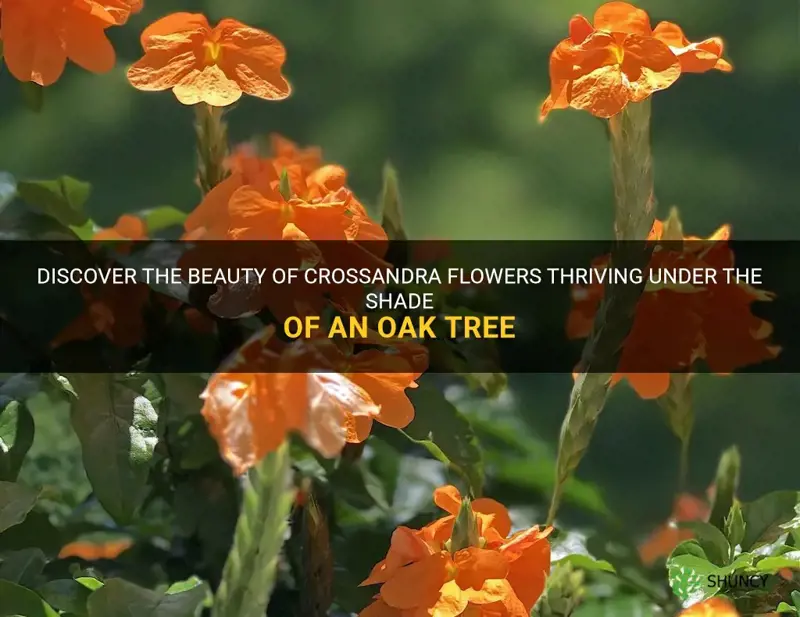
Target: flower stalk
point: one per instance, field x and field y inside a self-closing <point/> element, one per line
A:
<point x="249" y="573"/>
<point x="212" y="146"/>
<point x="634" y="215"/>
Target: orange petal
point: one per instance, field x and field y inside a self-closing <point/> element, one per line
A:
<point x="86" y="43"/>
<point x="714" y="607"/>
<point x="357" y="428"/>
<point x="173" y="30"/>
<point x="163" y="68"/>
<point x="649" y="385"/>
<point x="602" y="92"/>
<point x="476" y="565"/>
<point x="649" y="65"/>
<point x="622" y="17"/>
<point x="491" y="591"/>
<point x="501" y="521"/>
<point x="253" y="58"/>
<point x="451" y="603"/>
<point x="379" y="608"/>
<point x="388" y="392"/>
<point x="32" y="47"/>
<point x="417" y="584"/>
<point x="528" y="571"/>
<point x="448" y="498"/>
<point x="579" y="29"/>
<point x="208" y="85"/>
<point x="671" y="34"/>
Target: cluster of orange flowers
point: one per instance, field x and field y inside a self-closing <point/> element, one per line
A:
<point x="466" y="563"/>
<point x="619" y="59"/>
<point x="673" y="326"/>
<point x="39" y="36"/>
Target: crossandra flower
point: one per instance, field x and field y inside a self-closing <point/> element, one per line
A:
<point x="713" y="607"/>
<point x="619" y="59"/>
<point x="269" y="389"/>
<point x="93" y="551"/>
<point x="424" y="573"/>
<point x="39" y="36"/>
<point x="201" y="64"/>
<point x="663" y="540"/>
<point x="127" y="227"/>
<point x="676" y="326"/>
<point x="249" y="203"/>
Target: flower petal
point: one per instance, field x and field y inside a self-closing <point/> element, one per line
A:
<point x="602" y="92"/>
<point x="176" y="28"/>
<point x="32" y="48"/>
<point x="622" y="17"/>
<point x="451" y="603"/>
<point x="579" y="29"/>
<point x="86" y="43"/>
<point x="417" y="584"/>
<point x="448" y="498"/>
<point x="477" y="565"/>
<point x="253" y="58"/>
<point x="501" y="520"/>
<point x="207" y="85"/>
<point x="163" y="68"/>
<point x="649" y="66"/>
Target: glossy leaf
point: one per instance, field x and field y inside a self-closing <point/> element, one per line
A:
<point x="16" y="501"/>
<point x="447" y="434"/>
<point x="119" y="598"/>
<point x="16" y="438"/>
<point x="62" y="198"/>
<point x="116" y="425"/>
<point x="765" y="516"/>
<point x="18" y="600"/>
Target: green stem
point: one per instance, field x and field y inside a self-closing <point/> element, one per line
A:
<point x="634" y="214"/>
<point x="212" y="146"/>
<point x="249" y="573"/>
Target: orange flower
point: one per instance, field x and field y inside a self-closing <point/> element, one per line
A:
<point x="713" y="607"/>
<point x="92" y="551"/>
<point x="127" y="227"/>
<point x="675" y="326"/>
<point x="39" y="36"/>
<point x="114" y="311"/>
<point x="663" y="540"/>
<point x="501" y="576"/>
<point x="619" y="59"/>
<point x="204" y="65"/>
<point x="307" y="387"/>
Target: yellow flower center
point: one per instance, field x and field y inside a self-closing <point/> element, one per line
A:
<point x="213" y="52"/>
<point x="619" y="53"/>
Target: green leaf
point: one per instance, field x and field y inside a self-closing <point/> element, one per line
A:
<point x="16" y="438"/>
<point x="712" y="541"/>
<point x="116" y="425"/>
<point x="162" y="217"/>
<point x="585" y="562"/>
<point x="16" y="501"/>
<point x="23" y="567"/>
<point x="765" y="516"/>
<point x="447" y="434"/>
<point x="772" y="564"/>
<point x="92" y="584"/>
<point x="62" y="199"/>
<point x="785" y="608"/>
<point x="250" y="570"/>
<point x="17" y="600"/>
<point x="725" y="486"/>
<point x="119" y="598"/>
<point x="66" y="595"/>
<point x="735" y="525"/>
<point x="688" y="568"/>
<point x="32" y="95"/>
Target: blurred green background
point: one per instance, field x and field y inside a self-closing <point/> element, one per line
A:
<point x="449" y="90"/>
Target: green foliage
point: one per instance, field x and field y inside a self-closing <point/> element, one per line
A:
<point x="63" y="198"/>
<point x="115" y="419"/>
